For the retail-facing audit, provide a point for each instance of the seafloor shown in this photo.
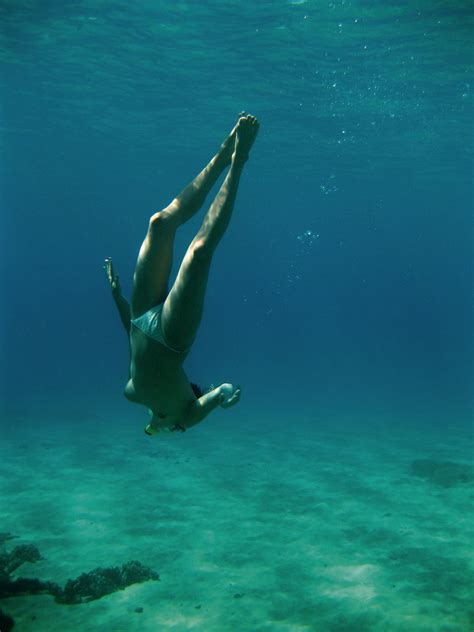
(300, 526)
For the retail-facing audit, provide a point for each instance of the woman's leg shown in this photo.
(182, 310)
(150, 282)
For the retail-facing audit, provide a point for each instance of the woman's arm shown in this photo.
(225, 395)
(124, 310)
(120, 301)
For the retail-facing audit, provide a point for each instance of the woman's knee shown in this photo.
(202, 249)
(161, 221)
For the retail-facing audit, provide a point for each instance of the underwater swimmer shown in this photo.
(162, 324)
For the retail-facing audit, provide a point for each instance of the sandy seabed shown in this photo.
(251, 526)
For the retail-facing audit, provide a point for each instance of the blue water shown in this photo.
(343, 288)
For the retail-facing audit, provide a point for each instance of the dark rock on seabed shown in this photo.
(6, 622)
(88, 586)
(103, 581)
(443, 473)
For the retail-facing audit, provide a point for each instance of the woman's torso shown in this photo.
(157, 379)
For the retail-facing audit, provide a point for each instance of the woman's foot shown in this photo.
(228, 146)
(245, 135)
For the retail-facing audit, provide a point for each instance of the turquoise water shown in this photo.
(340, 299)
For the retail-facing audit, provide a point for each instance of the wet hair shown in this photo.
(197, 390)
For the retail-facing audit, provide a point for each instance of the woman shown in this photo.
(162, 325)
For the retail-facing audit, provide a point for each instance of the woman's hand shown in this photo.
(112, 277)
(229, 395)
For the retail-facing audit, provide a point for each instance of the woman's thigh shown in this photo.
(152, 271)
(183, 307)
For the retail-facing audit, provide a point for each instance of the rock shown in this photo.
(86, 587)
(4, 536)
(6, 622)
(9, 562)
(103, 581)
(442, 473)
(24, 586)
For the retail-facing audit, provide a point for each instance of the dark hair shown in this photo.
(197, 390)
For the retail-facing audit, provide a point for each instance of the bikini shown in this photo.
(150, 324)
